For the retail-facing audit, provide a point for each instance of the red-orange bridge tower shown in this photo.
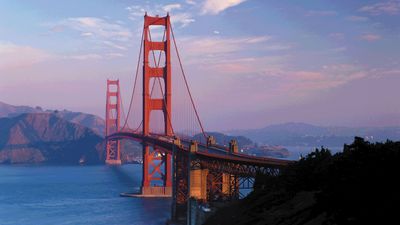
(153, 160)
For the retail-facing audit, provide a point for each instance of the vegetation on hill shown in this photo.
(357, 186)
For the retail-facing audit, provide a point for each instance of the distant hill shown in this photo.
(246, 145)
(7, 110)
(93, 122)
(47, 138)
(302, 134)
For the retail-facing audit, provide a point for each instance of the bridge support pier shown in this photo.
(156, 182)
(230, 182)
(180, 185)
(198, 184)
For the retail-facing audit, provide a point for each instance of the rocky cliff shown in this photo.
(47, 138)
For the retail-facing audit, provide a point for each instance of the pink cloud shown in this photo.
(306, 83)
(371, 37)
(17, 56)
(389, 7)
(275, 83)
(231, 68)
(308, 75)
(216, 50)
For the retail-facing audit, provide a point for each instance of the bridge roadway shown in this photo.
(214, 152)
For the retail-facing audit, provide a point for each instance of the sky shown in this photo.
(249, 63)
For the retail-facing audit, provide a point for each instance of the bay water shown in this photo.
(76, 195)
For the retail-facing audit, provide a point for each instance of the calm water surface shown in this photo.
(61, 195)
(52, 195)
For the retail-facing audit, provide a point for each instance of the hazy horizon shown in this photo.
(250, 63)
(235, 129)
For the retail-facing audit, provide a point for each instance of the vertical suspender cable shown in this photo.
(187, 86)
(136, 76)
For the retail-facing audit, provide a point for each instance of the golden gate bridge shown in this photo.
(190, 170)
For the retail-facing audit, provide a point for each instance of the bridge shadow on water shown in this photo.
(153, 210)
(129, 175)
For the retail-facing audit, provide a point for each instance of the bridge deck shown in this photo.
(215, 152)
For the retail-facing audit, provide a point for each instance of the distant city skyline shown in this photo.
(250, 63)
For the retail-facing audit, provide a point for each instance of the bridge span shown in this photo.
(174, 165)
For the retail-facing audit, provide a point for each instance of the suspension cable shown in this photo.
(136, 76)
(186, 83)
(141, 123)
(122, 108)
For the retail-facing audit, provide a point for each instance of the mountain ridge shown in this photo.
(47, 138)
(96, 123)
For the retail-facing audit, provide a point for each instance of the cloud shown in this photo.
(370, 37)
(214, 7)
(92, 56)
(276, 47)
(114, 55)
(136, 11)
(357, 18)
(170, 7)
(57, 28)
(327, 77)
(221, 55)
(98, 28)
(179, 14)
(306, 83)
(184, 19)
(191, 2)
(113, 45)
(301, 83)
(272, 80)
(274, 70)
(95, 33)
(211, 48)
(86, 34)
(85, 57)
(268, 66)
(389, 8)
(258, 39)
(321, 13)
(17, 56)
(266, 75)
